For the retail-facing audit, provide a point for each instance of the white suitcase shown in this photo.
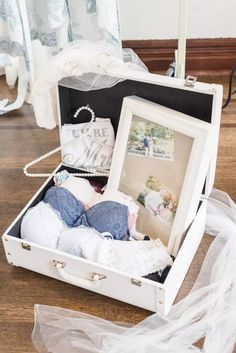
(200, 100)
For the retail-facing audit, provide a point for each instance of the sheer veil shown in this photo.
(209, 311)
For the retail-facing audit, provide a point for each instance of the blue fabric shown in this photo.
(146, 142)
(65, 203)
(107, 216)
(60, 177)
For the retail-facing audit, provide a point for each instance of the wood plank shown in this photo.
(215, 56)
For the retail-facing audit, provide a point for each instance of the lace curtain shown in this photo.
(32, 31)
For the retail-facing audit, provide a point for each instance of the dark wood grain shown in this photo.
(20, 141)
(203, 56)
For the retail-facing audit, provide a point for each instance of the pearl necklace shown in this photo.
(45, 175)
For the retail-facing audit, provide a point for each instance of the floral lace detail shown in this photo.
(48, 39)
(91, 6)
(8, 13)
(107, 216)
(138, 258)
(11, 48)
(69, 208)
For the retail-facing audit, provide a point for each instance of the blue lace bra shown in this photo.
(106, 216)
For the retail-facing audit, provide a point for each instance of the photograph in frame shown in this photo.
(151, 140)
(156, 183)
(159, 200)
(165, 175)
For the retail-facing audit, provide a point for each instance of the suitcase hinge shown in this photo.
(190, 81)
(160, 299)
(26, 246)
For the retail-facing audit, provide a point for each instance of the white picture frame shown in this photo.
(195, 130)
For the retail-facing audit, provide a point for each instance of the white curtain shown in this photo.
(32, 31)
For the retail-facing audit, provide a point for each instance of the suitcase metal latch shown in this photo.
(101, 276)
(136, 282)
(190, 81)
(63, 264)
(26, 246)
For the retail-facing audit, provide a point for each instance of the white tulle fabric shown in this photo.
(86, 65)
(208, 311)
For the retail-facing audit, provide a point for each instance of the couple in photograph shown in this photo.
(160, 204)
(151, 140)
(159, 200)
(148, 146)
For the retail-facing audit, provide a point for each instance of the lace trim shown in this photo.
(145, 259)
(57, 213)
(104, 235)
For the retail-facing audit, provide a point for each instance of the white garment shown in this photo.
(41, 225)
(84, 242)
(80, 188)
(150, 147)
(118, 196)
(153, 200)
(137, 258)
(84, 192)
(88, 145)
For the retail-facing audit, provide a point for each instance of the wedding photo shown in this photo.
(151, 140)
(160, 201)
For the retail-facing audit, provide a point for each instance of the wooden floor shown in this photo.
(21, 141)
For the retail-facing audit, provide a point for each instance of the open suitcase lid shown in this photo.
(201, 101)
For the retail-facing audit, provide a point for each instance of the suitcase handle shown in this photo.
(94, 282)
